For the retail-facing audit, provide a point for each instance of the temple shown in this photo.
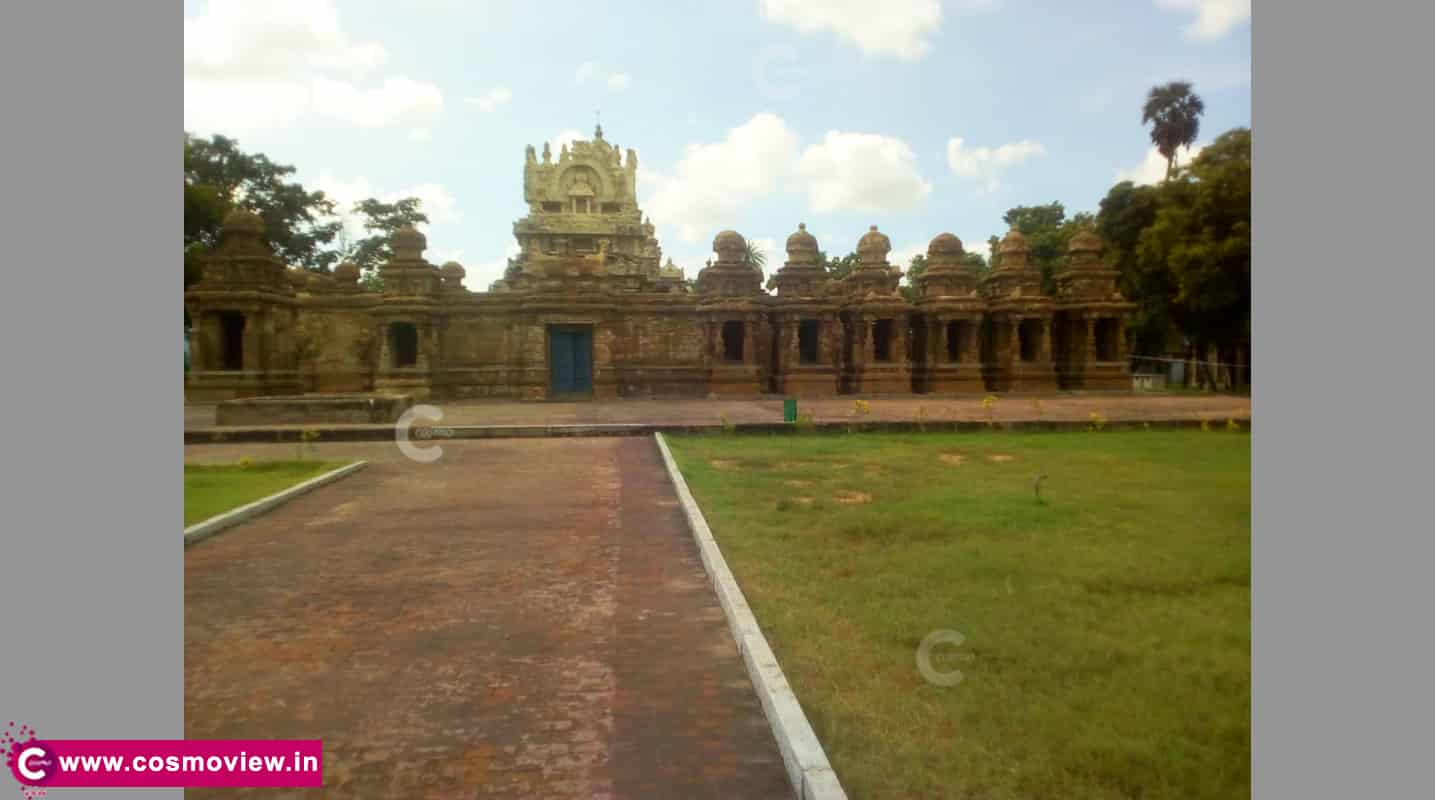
(589, 309)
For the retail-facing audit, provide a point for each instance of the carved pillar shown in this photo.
(252, 340)
(899, 341)
(791, 354)
(1013, 347)
(749, 343)
(1121, 353)
(1046, 339)
(198, 347)
(937, 345)
(1090, 339)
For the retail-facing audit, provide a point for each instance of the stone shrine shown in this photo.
(588, 309)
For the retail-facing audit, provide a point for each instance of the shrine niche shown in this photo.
(589, 308)
(807, 352)
(1090, 319)
(1016, 332)
(948, 322)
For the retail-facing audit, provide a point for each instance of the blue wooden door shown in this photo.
(570, 354)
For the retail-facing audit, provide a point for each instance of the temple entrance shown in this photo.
(231, 340)
(570, 361)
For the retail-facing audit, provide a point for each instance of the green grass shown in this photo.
(210, 490)
(1107, 626)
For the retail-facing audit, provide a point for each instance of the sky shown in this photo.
(917, 116)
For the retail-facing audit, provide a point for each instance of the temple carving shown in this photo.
(589, 308)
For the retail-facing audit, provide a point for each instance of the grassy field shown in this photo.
(1106, 626)
(214, 489)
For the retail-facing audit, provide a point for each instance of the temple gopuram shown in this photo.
(588, 309)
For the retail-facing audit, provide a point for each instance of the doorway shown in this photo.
(570, 361)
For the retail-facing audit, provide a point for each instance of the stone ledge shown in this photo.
(380, 433)
(203, 530)
(807, 767)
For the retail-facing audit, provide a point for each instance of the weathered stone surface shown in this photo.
(338, 409)
(589, 261)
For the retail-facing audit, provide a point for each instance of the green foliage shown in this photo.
(1126, 211)
(840, 268)
(1198, 248)
(1048, 232)
(1174, 113)
(219, 177)
(301, 226)
(381, 220)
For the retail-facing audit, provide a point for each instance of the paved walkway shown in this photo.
(1008, 408)
(521, 618)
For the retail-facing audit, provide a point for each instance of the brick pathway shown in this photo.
(521, 618)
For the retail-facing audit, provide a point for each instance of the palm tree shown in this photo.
(755, 257)
(1174, 112)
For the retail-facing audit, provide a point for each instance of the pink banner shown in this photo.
(160, 763)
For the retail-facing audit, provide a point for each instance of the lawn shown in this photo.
(210, 490)
(1106, 626)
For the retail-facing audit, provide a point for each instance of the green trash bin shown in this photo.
(789, 410)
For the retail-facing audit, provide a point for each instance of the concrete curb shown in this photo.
(203, 530)
(807, 766)
(380, 433)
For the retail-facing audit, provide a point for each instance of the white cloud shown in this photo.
(901, 257)
(436, 201)
(987, 163)
(1152, 168)
(264, 64)
(270, 39)
(478, 276)
(900, 28)
(491, 99)
(397, 100)
(564, 139)
(616, 81)
(712, 182)
(715, 182)
(420, 134)
(1214, 18)
(862, 172)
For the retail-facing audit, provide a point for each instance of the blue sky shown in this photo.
(917, 116)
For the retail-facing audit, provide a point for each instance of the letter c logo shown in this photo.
(33, 754)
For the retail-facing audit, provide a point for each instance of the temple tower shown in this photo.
(242, 313)
(947, 332)
(731, 310)
(807, 355)
(1016, 339)
(1091, 319)
(876, 321)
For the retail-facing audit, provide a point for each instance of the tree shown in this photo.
(218, 177)
(381, 220)
(754, 257)
(1201, 234)
(1047, 232)
(839, 268)
(1126, 211)
(1174, 113)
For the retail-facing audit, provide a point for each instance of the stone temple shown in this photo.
(588, 309)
